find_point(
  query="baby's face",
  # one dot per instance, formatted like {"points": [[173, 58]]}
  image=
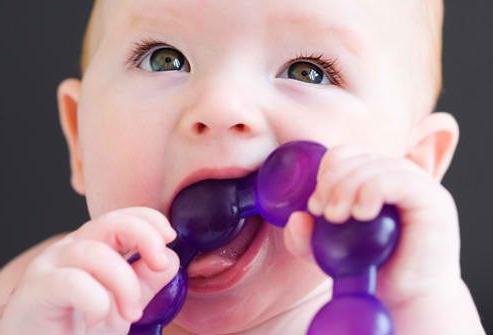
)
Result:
{"points": [[223, 83]]}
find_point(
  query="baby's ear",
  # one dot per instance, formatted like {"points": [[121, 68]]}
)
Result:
{"points": [[433, 143], [68, 94]]}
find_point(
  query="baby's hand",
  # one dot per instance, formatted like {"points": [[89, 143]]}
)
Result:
{"points": [[83, 285], [425, 265]]}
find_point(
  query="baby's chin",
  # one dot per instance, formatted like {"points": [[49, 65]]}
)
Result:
{"points": [[221, 316], [275, 281]]}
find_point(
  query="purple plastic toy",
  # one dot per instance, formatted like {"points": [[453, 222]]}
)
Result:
{"points": [[350, 253]]}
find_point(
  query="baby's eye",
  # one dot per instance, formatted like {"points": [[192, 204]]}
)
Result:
{"points": [[306, 72], [313, 70], [165, 59]]}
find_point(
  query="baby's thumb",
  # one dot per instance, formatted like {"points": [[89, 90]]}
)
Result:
{"points": [[297, 235], [153, 281]]}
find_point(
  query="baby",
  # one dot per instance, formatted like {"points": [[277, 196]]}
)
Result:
{"points": [[177, 91]]}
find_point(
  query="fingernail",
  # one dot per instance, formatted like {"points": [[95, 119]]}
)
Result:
{"points": [[332, 213], [358, 212], [171, 236], [314, 206]]}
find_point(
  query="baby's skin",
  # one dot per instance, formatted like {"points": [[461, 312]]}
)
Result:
{"points": [[222, 84]]}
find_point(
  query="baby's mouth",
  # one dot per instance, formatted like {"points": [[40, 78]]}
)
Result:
{"points": [[213, 263]]}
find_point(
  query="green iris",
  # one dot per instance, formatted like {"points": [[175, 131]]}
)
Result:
{"points": [[167, 60], [305, 71]]}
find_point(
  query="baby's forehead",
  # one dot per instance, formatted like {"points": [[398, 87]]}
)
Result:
{"points": [[253, 20], [298, 13], [295, 14], [412, 24], [362, 15]]}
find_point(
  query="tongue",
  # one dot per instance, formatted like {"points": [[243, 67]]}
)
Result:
{"points": [[219, 260]]}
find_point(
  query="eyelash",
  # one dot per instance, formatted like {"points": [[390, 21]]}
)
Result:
{"points": [[140, 49], [329, 65]]}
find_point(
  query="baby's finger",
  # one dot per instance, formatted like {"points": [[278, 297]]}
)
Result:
{"points": [[153, 281], [74, 288], [332, 177], [155, 218], [109, 269], [335, 155], [125, 233], [341, 195], [404, 188], [297, 235]]}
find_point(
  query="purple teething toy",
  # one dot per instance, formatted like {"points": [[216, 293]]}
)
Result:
{"points": [[210, 213]]}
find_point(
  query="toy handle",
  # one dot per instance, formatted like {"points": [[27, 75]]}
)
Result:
{"points": [[356, 251], [166, 304]]}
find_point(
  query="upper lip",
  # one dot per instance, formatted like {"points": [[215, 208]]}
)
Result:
{"points": [[209, 173]]}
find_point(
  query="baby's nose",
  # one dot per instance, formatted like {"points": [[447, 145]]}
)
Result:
{"points": [[216, 121], [221, 111]]}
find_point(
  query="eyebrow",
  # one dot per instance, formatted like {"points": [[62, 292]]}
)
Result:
{"points": [[353, 38]]}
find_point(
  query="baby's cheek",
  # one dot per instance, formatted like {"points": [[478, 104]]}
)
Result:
{"points": [[124, 158], [327, 115], [119, 185]]}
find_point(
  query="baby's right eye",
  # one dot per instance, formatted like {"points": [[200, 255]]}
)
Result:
{"points": [[164, 59]]}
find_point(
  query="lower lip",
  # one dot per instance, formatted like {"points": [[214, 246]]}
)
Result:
{"points": [[232, 276]]}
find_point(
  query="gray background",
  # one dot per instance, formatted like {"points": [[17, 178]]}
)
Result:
{"points": [[40, 45]]}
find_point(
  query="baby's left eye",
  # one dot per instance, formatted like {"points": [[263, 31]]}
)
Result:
{"points": [[308, 70]]}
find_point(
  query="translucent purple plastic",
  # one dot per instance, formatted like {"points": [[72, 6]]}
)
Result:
{"points": [[210, 214]]}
